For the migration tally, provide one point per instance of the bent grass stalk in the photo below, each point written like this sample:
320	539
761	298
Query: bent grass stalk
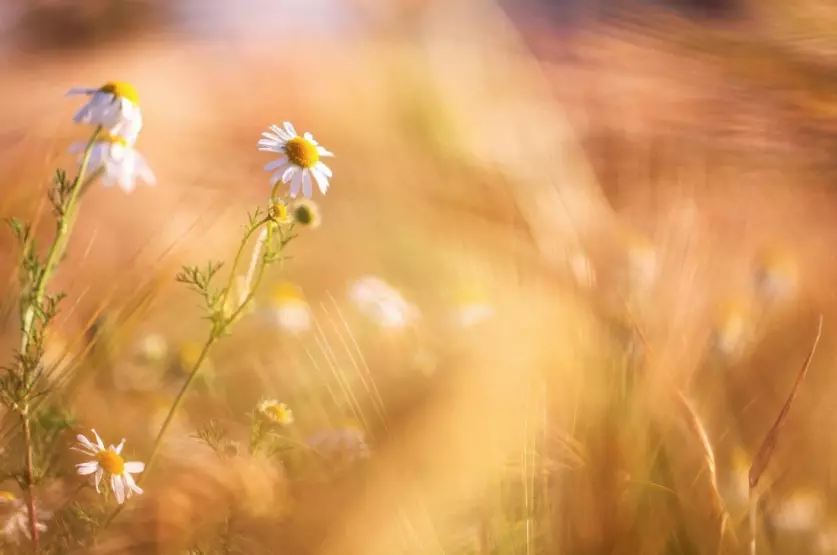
64	223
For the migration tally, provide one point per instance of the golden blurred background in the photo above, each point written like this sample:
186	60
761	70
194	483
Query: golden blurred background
635	198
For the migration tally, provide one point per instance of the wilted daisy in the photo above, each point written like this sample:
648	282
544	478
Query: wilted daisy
288	308
16	515
114	106
383	303
276	412
801	511
299	162
108	462
306	213
120	162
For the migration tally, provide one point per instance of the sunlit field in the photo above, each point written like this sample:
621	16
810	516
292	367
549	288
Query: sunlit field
563	287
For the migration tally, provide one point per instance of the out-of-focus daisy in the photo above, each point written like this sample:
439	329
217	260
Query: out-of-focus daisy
119	161
152	349
16	515
642	264
383	303
826	541
114	106
472	307
276	412
288	308
776	275
732	329
582	270
801	511
347	442
306	213
299	163
108	462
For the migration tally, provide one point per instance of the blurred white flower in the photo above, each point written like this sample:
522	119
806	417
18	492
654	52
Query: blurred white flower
276	412
826	541
299	162
776	275
108	461
17	518
288	308
381	302
642	265
582	270
732	331
152	348
801	511
114	106
121	163
473	307
346	442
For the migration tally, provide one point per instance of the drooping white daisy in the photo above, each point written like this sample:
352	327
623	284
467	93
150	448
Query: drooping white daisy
114	106
121	163
108	461
299	162
16	515
383	303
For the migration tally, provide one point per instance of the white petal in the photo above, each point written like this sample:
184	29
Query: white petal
307	189
281	132
296	183
97	480
79	90
87	468
86	442
134	467
310	138
132	485
289	173
99	441
290	129
118	488
119	447
322	181
323	152
278	163
323	169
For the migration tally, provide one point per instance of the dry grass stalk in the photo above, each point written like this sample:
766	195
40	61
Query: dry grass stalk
765	453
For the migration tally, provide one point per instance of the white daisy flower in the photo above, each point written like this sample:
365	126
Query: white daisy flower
114	106
276	412
109	461
121	163
299	162
17	518
802	511
381	302
289	309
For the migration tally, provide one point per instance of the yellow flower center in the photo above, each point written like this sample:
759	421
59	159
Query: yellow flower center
111	462
113	139
286	292
305	213
302	152
279	211
121	89
278	412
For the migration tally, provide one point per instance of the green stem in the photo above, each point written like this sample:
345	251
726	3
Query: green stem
215	333
56	250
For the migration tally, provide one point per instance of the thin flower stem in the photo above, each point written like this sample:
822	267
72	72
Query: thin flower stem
253	262
226	292
214	335
56	250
